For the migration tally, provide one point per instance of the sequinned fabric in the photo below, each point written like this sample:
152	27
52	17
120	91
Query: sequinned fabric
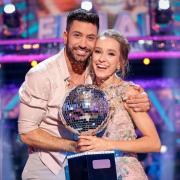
121	127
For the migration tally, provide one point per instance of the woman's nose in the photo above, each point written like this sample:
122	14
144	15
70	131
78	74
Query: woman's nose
102	58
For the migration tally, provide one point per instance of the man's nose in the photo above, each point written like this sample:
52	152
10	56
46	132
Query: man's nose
83	43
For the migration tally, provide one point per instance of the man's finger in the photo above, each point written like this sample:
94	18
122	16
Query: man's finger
138	109
140	95
138	105
137	101
143	97
138	88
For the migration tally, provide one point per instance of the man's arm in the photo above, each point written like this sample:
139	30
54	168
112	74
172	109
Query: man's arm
34	94
33	136
45	141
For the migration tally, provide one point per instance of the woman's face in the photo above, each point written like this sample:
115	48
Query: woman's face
106	57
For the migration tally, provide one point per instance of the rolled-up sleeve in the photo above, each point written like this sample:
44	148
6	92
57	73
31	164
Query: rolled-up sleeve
33	94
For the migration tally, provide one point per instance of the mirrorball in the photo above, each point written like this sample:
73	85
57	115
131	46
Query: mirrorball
85	110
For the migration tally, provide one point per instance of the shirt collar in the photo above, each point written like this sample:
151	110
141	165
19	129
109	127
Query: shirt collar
63	66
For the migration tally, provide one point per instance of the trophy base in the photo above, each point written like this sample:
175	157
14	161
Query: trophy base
92	166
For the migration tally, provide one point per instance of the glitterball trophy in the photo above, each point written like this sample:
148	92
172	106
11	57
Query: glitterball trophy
85	111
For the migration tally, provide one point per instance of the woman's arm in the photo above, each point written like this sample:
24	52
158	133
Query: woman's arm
149	142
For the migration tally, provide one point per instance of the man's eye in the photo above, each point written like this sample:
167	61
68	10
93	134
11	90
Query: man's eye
77	35
91	38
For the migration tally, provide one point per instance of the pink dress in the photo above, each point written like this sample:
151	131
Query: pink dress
120	127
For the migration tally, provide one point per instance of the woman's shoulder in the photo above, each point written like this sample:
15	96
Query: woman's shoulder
127	83
129	87
121	88
124	88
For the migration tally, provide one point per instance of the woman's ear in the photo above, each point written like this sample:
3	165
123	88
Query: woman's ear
120	66
118	72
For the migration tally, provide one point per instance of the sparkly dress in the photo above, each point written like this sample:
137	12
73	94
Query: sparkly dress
120	127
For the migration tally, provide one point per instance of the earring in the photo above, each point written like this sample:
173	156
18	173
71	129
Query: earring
118	73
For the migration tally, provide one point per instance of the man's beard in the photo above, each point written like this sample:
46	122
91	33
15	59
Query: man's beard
73	59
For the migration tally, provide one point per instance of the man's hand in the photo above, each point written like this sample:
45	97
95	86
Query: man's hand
139	102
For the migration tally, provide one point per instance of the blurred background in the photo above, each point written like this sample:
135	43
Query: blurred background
31	31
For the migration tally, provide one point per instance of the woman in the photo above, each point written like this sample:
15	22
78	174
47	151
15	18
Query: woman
109	57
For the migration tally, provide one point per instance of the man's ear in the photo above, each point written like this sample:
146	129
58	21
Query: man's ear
65	34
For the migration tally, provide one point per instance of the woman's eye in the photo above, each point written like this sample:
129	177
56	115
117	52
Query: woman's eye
111	54
97	51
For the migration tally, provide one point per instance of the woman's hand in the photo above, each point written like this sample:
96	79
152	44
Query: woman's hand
93	143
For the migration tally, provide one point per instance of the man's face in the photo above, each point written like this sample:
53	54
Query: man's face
80	41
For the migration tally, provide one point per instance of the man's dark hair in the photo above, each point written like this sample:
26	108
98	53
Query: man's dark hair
83	16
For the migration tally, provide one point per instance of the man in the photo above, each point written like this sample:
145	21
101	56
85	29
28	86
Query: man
42	94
